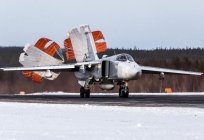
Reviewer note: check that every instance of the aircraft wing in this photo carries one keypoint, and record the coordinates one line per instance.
(156, 70)
(51, 67)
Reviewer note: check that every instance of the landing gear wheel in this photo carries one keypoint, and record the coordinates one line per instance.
(124, 92)
(84, 93)
(87, 93)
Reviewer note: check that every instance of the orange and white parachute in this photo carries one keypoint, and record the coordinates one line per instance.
(99, 41)
(76, 44)
(40, 55)
(82, 45)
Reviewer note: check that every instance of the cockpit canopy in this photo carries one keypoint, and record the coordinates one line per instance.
(124, 58)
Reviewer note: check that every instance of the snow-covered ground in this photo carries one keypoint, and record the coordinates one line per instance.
(29, 121)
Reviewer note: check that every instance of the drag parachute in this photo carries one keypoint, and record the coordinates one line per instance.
(40, 54)
(80, 47)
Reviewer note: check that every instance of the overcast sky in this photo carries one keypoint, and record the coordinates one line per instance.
(124, 23)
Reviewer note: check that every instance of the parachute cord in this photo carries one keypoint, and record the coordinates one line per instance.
(59, 54)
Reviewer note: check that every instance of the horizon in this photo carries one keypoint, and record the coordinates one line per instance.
(133, 48)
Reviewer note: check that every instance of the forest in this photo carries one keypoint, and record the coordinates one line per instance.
(191, 59)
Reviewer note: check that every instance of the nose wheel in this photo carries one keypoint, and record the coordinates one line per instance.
(84, 93)
(124, 92)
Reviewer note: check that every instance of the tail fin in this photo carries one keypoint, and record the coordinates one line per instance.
(83, 45)
(40, 55)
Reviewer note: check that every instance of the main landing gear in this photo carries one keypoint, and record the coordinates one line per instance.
(84, 93)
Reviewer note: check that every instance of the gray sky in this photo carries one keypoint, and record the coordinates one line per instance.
(124, 23)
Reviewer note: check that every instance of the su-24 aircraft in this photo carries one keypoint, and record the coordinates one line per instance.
(39, 61)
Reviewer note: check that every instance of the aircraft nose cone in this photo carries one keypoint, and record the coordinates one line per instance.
(127, 71)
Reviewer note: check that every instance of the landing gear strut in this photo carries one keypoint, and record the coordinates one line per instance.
(84, 93)
(124, 92)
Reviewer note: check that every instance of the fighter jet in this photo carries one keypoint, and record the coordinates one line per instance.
(44, 60)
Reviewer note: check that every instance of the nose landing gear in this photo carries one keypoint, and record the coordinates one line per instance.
(124, 90)
(84, 93)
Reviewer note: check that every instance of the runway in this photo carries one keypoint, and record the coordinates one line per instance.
(112, 100)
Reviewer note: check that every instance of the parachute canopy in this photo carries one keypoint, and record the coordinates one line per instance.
(73, 51)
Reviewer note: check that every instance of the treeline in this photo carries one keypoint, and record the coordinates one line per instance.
(184, 59)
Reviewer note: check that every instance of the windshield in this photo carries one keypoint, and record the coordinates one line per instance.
(124, 58)
(121, 58)
(130, 58)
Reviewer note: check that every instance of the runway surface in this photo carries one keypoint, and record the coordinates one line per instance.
(113, 100)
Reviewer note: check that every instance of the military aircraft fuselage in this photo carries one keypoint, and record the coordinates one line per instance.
(112, 69)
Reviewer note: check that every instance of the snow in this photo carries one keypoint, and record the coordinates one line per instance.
(20, 121)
